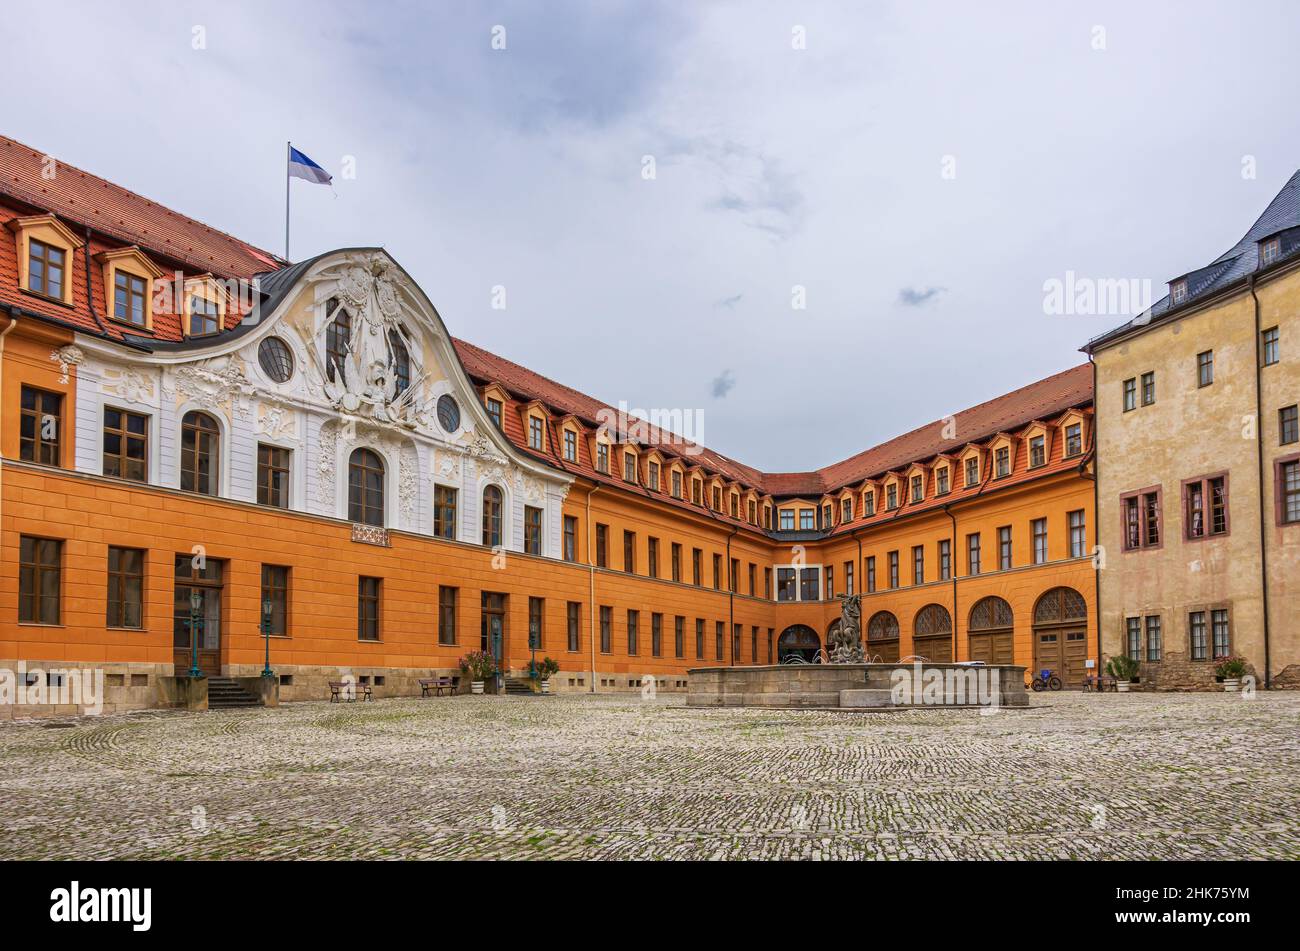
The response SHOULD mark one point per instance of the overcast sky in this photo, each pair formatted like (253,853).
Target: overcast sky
(920,170)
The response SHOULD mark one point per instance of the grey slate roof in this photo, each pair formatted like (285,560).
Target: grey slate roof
(1280,218)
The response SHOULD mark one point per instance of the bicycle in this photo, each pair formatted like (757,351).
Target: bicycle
(1046,680)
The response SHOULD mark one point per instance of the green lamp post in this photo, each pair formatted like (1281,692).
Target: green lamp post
(196,611)
(267,607)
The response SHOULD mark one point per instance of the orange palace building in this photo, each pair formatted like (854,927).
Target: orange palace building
(201,441)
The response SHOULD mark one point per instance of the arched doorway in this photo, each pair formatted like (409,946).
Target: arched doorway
(1061,635)
(798,643)
(932,634)
(882,638)
(992,631)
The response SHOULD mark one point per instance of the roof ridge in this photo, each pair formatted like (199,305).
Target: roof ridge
(167,209)
(1292,182)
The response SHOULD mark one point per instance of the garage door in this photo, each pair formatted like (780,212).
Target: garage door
(937,650)
(992,648)
(1063,652)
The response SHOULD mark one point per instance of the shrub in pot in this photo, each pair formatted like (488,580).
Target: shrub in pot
(1229,671)
(1124,669)
(478,666)
(544,671)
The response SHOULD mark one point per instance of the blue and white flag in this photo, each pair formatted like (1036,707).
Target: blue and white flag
(300,166)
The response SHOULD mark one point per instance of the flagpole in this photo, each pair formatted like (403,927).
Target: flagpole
(288,153)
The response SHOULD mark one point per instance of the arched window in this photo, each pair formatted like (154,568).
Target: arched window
(200,453)
(931,620)
(883,626)
(1061,606)
(338,338)
(990,614)
(492,516)
(400,362)
(366,487)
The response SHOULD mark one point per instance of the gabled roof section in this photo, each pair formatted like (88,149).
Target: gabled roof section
(1234,265)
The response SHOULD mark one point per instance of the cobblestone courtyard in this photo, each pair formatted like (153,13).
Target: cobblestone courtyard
(1075,776)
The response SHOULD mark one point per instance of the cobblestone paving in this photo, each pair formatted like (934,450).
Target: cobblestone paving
(1075,776)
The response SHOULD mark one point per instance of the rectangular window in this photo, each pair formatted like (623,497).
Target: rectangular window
(785,584)
(1205,507)
(1178,292)
(40,424)
(945,559)
(1288,492)
(652,477)
(676,484)
(918,564)
(275,591)
(570,446)
(717,499)
(868,504)
(941,481)
(570,538)
(679,636)
(606,629)
(633,632)
(602,458)
(1154,647)
(736,630)
(1002,460)
(447,614)
(1133,641)
(1198,635)
(676,557)
(733,576)
(45,266)
(125,588)
(972,471)
(1078,533)
(918,488)
(1142,518)
(891,497)
(1288,425)
(536,615)
(1205,368)
(973,553)
(753,645)
(444,511)
(368,592)
(535,438)
(767,583)
(753,587)
(656,635)
(735,506)
(699,638)
(494,412)
(1039,526)
(787,520)
(846,510)
(1130,394)
(1004,548)
(1270,344)
(697,567)
(696,488)
(1073,439)
(629,467)
(1221,633)
(848,578)
(830,583)
(1270,251)
(40,580)
(126,444)
(871,574)
(753,512)
(272,476)
(1038,451)
(205,317)
(717,640)
(717,572)
(807,520)
(573,621)
(1148,388)
(652,557)
(602,546)
(129,296)
(532,530)
(893,569)
(629,551)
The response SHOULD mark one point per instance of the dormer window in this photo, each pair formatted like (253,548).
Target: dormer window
(807,520)
(753,512)
(677,484)
(652,479)
(602,457)
(494,411)
(45,269)
(205,316)
(570,446)
(891,497)
(337,339)
(696,488)
(735,506)
(827,517)
(536,433)
(400,361)
(1074,439)
(717,499)
(129,297)
(941,481)
(1003,461)
(1177,292)
(1037,451)
(629,467)
(846,510)
(1270,251)
(787,520)
(918,488)
(868,504)
(972,471)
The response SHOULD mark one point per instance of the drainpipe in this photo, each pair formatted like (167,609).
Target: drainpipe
(731,598)
(13,322)
(591,570)
(90,299)
(952,573)
(1096,507)
(1263,521)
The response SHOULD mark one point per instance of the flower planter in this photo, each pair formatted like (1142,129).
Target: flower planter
(546,686)
(476,686)
(1231,684)
(1122,686)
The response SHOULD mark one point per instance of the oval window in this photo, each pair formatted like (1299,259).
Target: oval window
(275,359)
(448,413)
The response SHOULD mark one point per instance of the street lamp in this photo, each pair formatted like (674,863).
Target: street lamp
(266,633)
(196,610)
(532,647)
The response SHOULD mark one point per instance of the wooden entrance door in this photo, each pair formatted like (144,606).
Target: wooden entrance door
(994,647)
(492,635)
(1062,651)
(204,577)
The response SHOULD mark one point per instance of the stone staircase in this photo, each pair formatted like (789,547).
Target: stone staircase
(518,686)
(226,694)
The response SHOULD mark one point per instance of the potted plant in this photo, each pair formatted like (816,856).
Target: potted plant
(1229,671)
(544,671)
(479,666)
(1124,669)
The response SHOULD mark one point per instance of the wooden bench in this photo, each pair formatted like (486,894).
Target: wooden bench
(359,691)
(437,685)
(1100,684)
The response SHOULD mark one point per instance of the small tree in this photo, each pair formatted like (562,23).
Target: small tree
(1231,668)
(478,664)
(1122,667)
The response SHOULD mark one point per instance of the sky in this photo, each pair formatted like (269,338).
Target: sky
(818,225)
